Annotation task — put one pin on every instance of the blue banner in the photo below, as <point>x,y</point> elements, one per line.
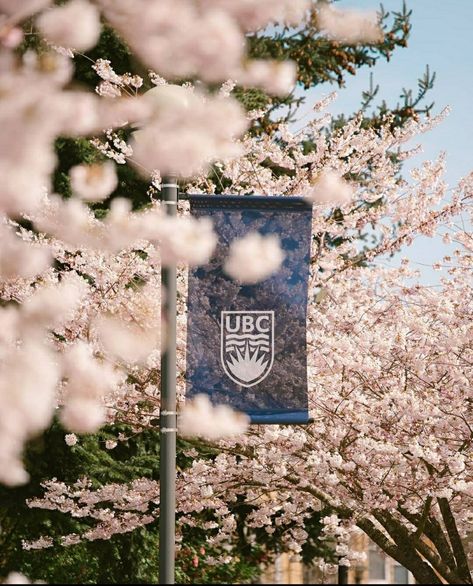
<point>246,344</point>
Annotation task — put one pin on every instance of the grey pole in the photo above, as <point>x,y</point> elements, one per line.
<point>342,574</point>
<point>168,423</point>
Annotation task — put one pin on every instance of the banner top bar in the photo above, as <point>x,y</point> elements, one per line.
<point>261,202</point>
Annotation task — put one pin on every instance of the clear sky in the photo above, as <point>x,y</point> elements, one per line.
<point>441,36</point>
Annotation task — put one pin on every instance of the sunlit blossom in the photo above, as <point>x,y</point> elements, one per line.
<point>200,418</point>
<point>93,182</point>
<point>349,26</point>
<point>254,258</point>
<point>75,25</point>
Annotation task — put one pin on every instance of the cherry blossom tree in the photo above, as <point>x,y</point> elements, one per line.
<point>384,357</point>
<point>388,451</point>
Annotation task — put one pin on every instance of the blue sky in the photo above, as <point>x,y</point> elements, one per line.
<point>440,37</point>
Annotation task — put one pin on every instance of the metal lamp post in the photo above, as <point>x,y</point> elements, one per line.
<point>342,574</point>
<point>168,416</point>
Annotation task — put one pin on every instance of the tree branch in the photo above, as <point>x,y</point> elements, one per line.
<point>455,540</point>
<point>434,532</point>
<point>402,553</point>
<point>423,572</point>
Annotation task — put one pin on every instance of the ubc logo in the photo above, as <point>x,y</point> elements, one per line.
<point>247,345</point>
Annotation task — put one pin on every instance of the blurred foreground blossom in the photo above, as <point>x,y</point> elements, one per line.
<point>128,342</point>
<point>34,111</point>
<point>52,305</point>
<point>21,258</point>
<point>75,25</point>
<point>277,77</point>
<point>186,239</point>
<point>21,9</point>
<point>254,258</point>
<point>187,132</point>
<point>330,188</point>
<point>202,419</point>
<point>349,26</point>
<point>17,578</point>
<point>93,182</point>
<point>251,15</point>
<point>27,401</point>
<point>89,381</point>
<point>172,36</point>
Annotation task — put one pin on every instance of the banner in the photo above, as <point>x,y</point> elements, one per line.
<point>246,344</point>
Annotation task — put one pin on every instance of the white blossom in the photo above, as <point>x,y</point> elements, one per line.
<point>71,439</point>
<point>21,258</point>
<point>200,418</point>
<point>75,25</point>
<point>128,342</point>
<point>254,258</point>
<point>349,26</point>
<point>93,182</point>
<point>16,578</point>
<point>330,188</point>
<point>188,133</point>
<point>83,415</point>
<point>187,239</point>
<point>23,8</point>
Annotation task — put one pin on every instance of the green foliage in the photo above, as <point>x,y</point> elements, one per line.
<point>320,60</point>
<point>127,558</point>
<point>410,106</point>
<point>130,558</point>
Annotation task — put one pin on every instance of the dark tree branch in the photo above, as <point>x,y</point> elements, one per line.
<point>455,540</point>
<point>434,532</point>
<point>402,553</point>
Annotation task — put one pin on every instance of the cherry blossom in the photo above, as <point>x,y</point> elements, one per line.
<point>329,188</point>
<point>191,130</point>
<point>17,578</point>
<point>93,182</point>
<point>254,257</point>
<point>71,439</point>
<point>75,25</point>
<point>200,418</point>
<point>21,10</point>
<point>349,26</point>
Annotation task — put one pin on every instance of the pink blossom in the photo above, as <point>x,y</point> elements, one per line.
<point>51,305</point>
<point>254,258</point>
<point>71,439</point>
<point>75,25</point>
<point>83,415</point>
<point>330,188</point>
<point>126,341</point>
<point>16,578</point>
<point>20,10</point>
<point>349,26</point>
<point>93,182</point>
<point>169,37</point>
<point>255,14</point>
<point>187,239</point>
<point>200,418</point>
<point>186,135</point>
<point>27,400</point>
<point>11,37</point>
<point>276,77</point>
<point>21,258</point>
